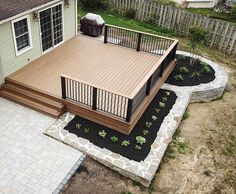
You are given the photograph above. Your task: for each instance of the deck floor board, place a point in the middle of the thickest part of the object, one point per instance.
(112, 67)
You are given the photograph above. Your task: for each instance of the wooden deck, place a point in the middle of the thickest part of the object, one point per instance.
(107, 66)
(111, 84)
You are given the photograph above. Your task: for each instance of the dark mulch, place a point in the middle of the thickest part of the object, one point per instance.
(129, 151)
(187, 79)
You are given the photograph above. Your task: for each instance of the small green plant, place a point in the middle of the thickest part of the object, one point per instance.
(157, 110)
(114, 139)
(162, 104)
(78, 126)
(130, 13)
(195, 75)
(148, 124)
(145, 132)
(86, 130)
(167, 93)
(164, 99)
(183, 69)
(102, 133)
(137, 147)
(186, 115)
(154, 118)
(205, 68)
(125, 143)
(179, 78)
(140, 140)
(180, 57)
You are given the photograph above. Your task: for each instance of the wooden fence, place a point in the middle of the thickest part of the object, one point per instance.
(222, 33)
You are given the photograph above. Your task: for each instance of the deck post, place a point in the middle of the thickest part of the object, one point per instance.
(139, 41)
(129, 110)
(148, 88)
(105, 34)
(94, 98)
(63, 87)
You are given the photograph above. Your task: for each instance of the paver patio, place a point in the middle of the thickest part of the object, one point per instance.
(30, 162)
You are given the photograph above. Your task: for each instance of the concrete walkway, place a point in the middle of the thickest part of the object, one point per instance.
(30, 162)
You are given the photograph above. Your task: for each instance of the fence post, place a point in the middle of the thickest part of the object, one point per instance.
(139, 41)
(148, 88)
(105, 34)
(129, 110)
(94, 98)
(63, 87)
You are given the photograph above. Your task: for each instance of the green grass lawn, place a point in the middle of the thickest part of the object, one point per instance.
(117, 20)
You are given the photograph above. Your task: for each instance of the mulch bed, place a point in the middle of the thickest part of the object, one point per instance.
(188, 78)
(154, 114)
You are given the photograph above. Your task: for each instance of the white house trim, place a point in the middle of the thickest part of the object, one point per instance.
(29, 31)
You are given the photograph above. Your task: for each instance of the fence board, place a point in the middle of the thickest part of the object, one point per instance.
(222, 34)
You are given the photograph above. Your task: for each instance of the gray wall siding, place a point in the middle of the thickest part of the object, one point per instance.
(10, 62)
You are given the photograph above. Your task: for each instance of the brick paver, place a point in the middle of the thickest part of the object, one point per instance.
(30, 162)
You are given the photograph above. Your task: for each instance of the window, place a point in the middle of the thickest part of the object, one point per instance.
(22, 35)
(51, 25)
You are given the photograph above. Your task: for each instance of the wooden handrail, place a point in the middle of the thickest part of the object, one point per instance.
(137, 31)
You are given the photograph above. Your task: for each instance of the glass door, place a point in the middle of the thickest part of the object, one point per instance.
(51, 27)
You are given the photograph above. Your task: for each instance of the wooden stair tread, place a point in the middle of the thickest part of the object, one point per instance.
(30, 103)
(33, 96)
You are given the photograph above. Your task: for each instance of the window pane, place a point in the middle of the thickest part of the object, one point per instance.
(57, 24)
(22, 34)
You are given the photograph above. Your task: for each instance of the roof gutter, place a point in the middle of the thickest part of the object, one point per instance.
(29, 11)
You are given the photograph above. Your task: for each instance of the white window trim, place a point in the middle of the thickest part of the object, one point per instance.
(63, 30)
(18, 53)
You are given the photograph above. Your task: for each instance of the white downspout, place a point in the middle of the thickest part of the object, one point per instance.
(76, 18)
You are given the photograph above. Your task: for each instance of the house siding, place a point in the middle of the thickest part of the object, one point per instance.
(10, 62)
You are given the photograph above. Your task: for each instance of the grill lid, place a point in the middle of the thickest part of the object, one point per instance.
(93, 18)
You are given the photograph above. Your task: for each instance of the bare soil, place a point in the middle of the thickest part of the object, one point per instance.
(200, 159)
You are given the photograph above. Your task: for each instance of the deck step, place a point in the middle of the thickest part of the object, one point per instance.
(30, 103)
(32, 99)
(33, 96)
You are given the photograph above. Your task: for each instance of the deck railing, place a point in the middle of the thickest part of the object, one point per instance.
(140, 41)
(95, 97)
(112, 102)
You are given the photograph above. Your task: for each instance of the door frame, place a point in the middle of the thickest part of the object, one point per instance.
(40, 33)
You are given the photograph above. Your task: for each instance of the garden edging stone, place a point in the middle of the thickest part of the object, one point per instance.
(204, 92)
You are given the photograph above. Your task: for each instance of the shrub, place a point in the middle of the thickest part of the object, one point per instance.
(86, 130)
(195, 75)
(102, 133)
(125, 143)
(94, 4)
(137, 147)
(151, 19)
(183, 69)
(162, 104)
(148, 124)
(140, 140)
(154, 118)
(157, 110)
(130, 13)
(145, 132)
(78, 125)
(197, 35)
(178, 78)
(114, 139)
(167, 93)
